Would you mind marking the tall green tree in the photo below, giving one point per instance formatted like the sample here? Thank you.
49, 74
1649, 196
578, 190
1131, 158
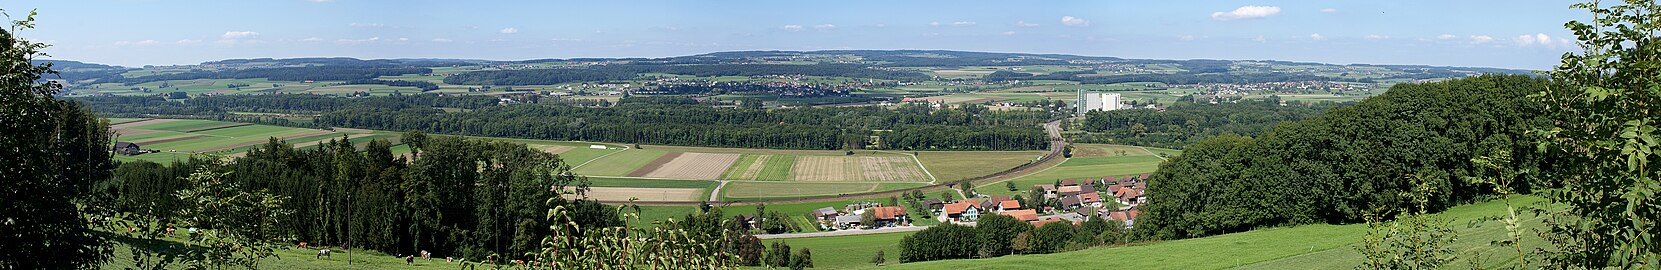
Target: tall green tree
1609, 99
51, 153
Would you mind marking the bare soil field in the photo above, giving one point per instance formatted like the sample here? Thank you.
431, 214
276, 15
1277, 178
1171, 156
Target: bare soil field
654, 165
644, 194
213, 127
697, 166
130, 132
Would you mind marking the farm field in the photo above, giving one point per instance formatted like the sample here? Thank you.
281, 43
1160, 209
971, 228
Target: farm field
1089, 161
1319, 246
704, 163
758, 190
954, 165
179, 139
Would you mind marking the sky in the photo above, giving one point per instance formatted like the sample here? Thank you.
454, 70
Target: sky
1525, 34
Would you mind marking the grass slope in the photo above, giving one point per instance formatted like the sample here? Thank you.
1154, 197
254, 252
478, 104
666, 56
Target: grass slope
1319, 246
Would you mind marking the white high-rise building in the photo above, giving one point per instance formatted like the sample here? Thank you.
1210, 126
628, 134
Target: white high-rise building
1096, 101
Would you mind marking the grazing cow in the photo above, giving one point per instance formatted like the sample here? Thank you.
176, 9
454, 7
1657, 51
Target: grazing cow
409, 260
323, 253
169, 229
426, 255
301, 246
449, 259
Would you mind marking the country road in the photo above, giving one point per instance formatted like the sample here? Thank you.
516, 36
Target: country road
843, 232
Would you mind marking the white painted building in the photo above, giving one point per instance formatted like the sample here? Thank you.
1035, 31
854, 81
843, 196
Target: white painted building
1096, 101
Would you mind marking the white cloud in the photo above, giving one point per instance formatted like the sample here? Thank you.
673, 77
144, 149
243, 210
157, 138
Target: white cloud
1246, 12
963, 24
403, 39
1074, 21
824, 26
934, 23
882, 25
312, 39
1377, 37
1481, 39
240, 35
1187, 37
1446, 37
366, 25
1008, 33
1317, 36
188, 41
1260, 39
509, 30
1540, 38
1025, 24
793, 28
1329, 10
442, 40
355, 41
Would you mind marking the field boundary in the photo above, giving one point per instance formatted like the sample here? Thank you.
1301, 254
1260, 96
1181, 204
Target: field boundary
1056, 145
655, 164
174, 139
574, 168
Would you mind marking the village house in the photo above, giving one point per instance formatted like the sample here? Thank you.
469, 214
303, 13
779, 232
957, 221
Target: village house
826, 213
992, 203
1128, 196
1048, 190
1091, 199
934, 205
1128, 217
127, 148
888, 216
962, 211
1008, 205
1025, 215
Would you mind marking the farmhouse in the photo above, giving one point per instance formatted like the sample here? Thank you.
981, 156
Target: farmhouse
963, 211
1049, 190
992, 204
826, 213
127, 148
1025, 215
1091, 199
934, 204
887, 216
1129, 196
1128, 217
1008, 205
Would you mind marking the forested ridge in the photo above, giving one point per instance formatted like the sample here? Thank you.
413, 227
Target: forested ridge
1347, 162
629, 71
1186, 122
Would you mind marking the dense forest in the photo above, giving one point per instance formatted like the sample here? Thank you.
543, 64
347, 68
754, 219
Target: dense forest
1186, 122
651, 120
1342, 165
461, 197
800, 128
629, 71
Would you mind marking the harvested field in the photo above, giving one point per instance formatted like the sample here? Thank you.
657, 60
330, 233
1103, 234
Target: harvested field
697, 166
825, 169
777, 167
645, 194
654, 165
890, 169
168, 140
554, 149
754, 168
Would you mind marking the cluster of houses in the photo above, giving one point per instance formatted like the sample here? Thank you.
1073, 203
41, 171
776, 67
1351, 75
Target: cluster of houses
852, 216
1078, 199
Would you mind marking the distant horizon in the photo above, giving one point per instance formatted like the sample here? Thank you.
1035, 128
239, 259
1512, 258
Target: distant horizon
803, 51
1479, 33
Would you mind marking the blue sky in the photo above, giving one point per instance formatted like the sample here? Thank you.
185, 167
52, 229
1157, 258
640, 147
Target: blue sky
1511, 34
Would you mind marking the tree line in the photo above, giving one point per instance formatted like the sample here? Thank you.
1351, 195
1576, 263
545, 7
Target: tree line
305, 73
1344, 164
423, 85
458, 197
1184, 123
997, 235
618, 72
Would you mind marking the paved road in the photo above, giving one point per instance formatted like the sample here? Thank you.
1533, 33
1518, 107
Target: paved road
715, 195
843, 232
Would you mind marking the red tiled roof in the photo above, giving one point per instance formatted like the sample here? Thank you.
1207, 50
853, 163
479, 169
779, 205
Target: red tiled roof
1126, 193
1069, 182
887, 212
1010, 204
1070, 189
1041, 223
960, 206
1090, 197
1027, 215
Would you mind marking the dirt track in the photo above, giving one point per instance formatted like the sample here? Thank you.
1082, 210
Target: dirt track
652, 166
168, 140
645, 194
